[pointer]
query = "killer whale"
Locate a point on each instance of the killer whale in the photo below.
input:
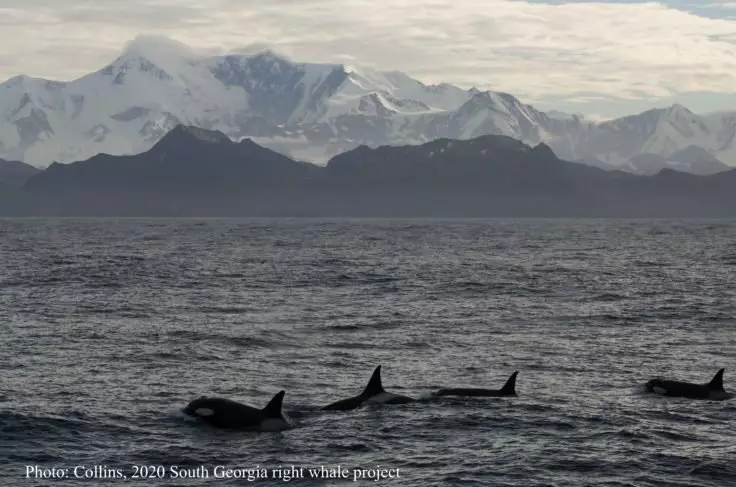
(374, 393)
(509, 389)
(712, 390)
(226, 413)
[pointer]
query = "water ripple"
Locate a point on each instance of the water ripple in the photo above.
(112, 326)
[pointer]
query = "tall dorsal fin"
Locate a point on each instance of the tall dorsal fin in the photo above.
(273, 408)
(717, 383)
(374, 385)
(510, 386)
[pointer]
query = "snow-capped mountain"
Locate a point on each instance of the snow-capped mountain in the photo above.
(311, 111)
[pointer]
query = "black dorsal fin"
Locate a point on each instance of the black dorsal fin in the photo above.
(717, 383)
(374, 385)
(273, 408)
(510, 387)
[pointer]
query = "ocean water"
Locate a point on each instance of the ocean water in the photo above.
(110, 327)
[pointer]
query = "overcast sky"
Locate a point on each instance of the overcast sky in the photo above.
(603, 59)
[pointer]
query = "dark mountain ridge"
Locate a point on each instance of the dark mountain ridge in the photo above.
(196, 172)
(15, 173)
(186, 156)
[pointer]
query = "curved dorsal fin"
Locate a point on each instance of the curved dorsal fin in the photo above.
(717, 382)
(510, 386)
(273, 408)
(374, 385)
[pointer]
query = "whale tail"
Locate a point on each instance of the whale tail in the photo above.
(509, 389)
(717, 383)
(374, 385)
(273, 408)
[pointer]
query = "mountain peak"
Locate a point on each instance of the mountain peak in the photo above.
(350, 69)
(187, 132)
(270, 55)
(544, 151)
(160, 56)
(17, 80)
(480, 99)
(15, 173)
(678, 110)
(27, 81)
(157, 47)
(259, 50)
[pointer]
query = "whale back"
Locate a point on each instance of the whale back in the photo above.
(509, 389)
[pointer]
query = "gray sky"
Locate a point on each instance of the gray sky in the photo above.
(603, 59)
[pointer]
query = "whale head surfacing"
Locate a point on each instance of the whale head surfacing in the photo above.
(712, 390)
(226, 413)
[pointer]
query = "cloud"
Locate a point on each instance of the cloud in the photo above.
(720, 4)
(533, 50)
